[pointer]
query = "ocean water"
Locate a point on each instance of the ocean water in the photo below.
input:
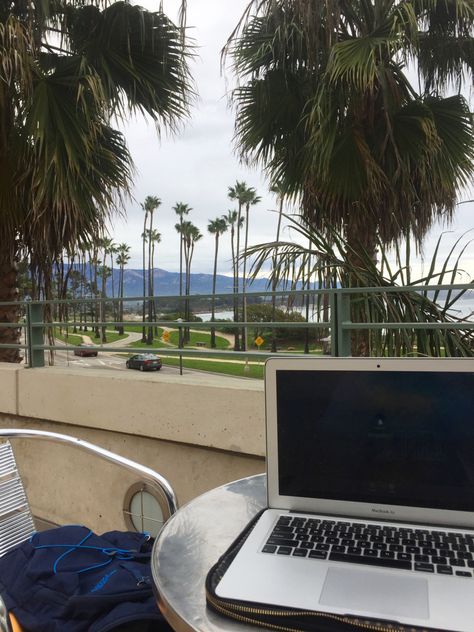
(463, 308)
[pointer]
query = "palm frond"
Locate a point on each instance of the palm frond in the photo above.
(332, 259)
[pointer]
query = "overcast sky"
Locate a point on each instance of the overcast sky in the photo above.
(198, 165)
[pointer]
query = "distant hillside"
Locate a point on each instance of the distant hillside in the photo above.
(167, 283)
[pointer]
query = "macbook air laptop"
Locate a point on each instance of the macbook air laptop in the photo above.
(370, 475)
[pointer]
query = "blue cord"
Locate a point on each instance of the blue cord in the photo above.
(70, 550)
(121, 554)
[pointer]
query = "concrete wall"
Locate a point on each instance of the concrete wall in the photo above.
(198, 431)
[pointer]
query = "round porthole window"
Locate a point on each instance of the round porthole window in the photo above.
(143, 509)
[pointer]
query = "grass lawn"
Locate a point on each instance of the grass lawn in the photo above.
(133, 328)
(68, 338)
(201, 337)
(227, 368)
(156, 344)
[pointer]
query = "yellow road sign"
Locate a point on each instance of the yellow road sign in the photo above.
(166, 336)
(259, 341)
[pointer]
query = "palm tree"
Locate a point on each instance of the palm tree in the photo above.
(107, 246)
(216, 227)
(94, 263)
(404, 307)
(325, 104)
(122, 259)
(232, 219)
(238, 193)
(181, 210)
(250, 198)
(153, 204)
(279, 192)
(190, 234)
(113, 251)
(150, 204)
(69, 70)
(154, 238)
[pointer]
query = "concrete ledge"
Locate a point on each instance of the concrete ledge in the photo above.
(212, 412)
(198, 430)
(9, 387)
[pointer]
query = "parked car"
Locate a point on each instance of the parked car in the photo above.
(86, 351)
(144, 362)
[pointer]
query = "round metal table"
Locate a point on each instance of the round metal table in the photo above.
(191, 542)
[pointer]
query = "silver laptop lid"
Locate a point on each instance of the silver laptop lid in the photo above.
(367, 437)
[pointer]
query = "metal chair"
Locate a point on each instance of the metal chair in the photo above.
(16, 520)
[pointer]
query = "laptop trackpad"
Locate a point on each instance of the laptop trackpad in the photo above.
(375, 593)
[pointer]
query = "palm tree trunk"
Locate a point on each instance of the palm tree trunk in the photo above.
(149, 339)
(114, 308)
(307, 299)
(187, 287)
(235, 290)
(244, 280)
(102, 302)
(82, 322)
(144, 281)
(361, 239)
(48, 313)
(9, 313)
(96, 293)
(274, 279)
(213, 306)
(181, 263)
(236, 282)
(120, 292)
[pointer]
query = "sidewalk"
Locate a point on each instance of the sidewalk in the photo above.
(132, 336)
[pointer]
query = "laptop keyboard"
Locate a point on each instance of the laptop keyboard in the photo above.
(446, 553)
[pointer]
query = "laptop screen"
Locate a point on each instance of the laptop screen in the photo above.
(396, 438)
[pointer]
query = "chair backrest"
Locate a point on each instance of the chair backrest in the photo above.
(137, 501)
(16, 521)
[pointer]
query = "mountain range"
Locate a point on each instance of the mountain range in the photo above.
(167, 283)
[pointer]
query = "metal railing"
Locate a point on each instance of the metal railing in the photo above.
(337, 311)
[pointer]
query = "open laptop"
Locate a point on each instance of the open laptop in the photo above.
(370, 473)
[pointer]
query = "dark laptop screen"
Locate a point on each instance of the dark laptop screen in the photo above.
(400, 438)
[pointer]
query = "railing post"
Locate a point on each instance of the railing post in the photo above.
(343, 314)
(34, 335)
(334, 327)
(180, 345)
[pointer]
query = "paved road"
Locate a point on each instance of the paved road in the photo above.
(106, 359)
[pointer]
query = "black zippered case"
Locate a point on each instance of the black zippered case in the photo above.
(279, 618)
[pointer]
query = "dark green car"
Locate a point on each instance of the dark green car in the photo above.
(144, 362)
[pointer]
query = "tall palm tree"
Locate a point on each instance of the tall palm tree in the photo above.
(190, 234)
(82, 249)
(276, 188)
(69, 70)
(123, 258)
(149, 206)
(181, 210)
(153, 203)
(216, 227)
(250, 198)
(154, 238)
(233, 220)
(94, 263)
(326, 105)
(112, 252)
(239, 194)
(106, 244)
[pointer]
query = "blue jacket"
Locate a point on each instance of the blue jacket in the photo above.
(69, 579)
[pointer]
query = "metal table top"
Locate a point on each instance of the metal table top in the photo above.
(191, 542)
